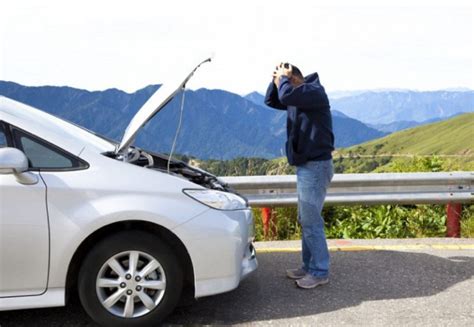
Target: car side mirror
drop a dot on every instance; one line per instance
(13, 161)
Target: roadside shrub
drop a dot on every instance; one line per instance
(467, 221)
(366, 222)
(386, 221)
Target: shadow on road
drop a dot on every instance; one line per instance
(267, 295)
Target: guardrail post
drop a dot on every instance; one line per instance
(267, 220)
(453, 220)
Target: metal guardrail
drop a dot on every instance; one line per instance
(386, 188)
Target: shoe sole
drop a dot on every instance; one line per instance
(312, 286)
(294, 277)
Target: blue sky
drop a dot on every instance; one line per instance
(95, 45)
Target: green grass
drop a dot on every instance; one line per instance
(442, 146)
(454, 136)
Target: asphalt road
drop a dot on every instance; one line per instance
(370, 288)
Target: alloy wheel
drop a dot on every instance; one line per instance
(131, 284)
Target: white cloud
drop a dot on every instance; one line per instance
(103, 44)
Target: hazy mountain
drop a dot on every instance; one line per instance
(216, 124)
(390, 110)
(344, 94)
(394, 126)
(388, 107)
(256, 98)
(401, 125)
(348, 93)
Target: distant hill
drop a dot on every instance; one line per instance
(401, 125)
(216, 124)
(343, 94)
(385, 107)
(454, 136)
(256, 98)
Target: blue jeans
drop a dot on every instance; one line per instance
(313, 179)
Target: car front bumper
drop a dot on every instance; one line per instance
(221, 250)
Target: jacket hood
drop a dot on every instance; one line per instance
(312, 78)
(153, 105)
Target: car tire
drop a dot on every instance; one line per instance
(114, 298)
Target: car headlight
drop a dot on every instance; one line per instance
(218, 199)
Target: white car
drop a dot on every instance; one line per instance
(130, 232)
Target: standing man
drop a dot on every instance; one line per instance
(309, 146)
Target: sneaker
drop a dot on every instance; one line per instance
(295, 273)
(310, 281)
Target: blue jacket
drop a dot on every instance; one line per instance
(309, 122)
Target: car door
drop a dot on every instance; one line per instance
(24, 233)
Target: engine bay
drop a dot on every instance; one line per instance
(176, 167)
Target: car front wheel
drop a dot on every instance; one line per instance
(130, 279)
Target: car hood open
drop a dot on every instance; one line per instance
(154, 104)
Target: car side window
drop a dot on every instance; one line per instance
(42, 155)
(3, 138)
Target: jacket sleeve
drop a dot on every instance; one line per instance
(303, 96)
(271, 97)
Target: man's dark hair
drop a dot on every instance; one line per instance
(297, 72)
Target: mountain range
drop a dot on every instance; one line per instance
(365, 99)
(216, 124)
(386, 107)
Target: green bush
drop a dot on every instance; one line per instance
(385, 221)
(367, 222)
(283, 225)
(467, 221)
(364, 222)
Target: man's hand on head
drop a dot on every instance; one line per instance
(281, 70)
